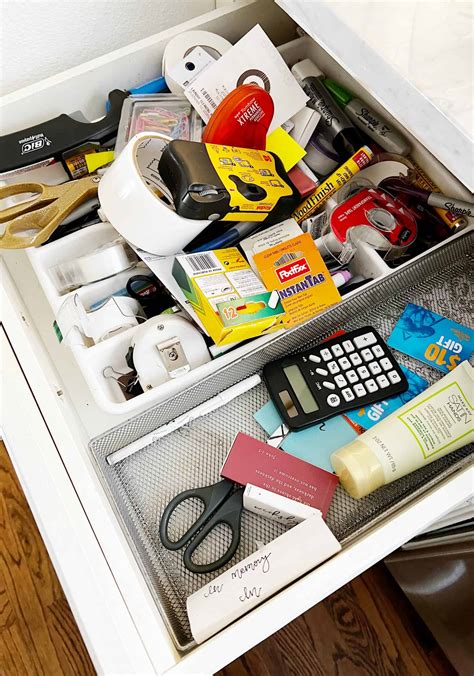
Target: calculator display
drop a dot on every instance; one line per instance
(300, 388)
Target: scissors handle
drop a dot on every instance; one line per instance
(31, 226)
(212, 496)
(230, 514)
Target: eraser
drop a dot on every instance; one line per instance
(276, 507)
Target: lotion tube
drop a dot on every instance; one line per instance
(433, 424)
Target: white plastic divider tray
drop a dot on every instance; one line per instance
(140, 486)
(93, 359)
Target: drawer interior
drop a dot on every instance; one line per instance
(99, 401)
(141, 485)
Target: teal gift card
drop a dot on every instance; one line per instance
(368, 416)
(314, 444)
(431, 338)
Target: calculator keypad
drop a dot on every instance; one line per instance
(344, 373)
(354, 368)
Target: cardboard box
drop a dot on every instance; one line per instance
(296, 270)
(227, 296)
(276, 234)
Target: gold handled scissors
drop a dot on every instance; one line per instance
(31, 223)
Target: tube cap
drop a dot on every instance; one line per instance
(358, 469)
(305, 68)
(342, 96)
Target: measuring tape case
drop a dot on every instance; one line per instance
(216, 182)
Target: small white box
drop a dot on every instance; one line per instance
(276, 507)
(269, 237)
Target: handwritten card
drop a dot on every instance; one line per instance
(253, 580)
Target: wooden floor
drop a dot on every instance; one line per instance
(366, 628)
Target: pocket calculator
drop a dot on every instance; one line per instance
(352, 370)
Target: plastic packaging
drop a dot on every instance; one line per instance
(167, 114)
(433, 424)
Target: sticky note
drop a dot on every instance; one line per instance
(288, 150)
(96, 160)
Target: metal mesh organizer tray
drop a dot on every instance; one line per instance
(140, 486)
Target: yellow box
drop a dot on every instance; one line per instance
(228, 297)
(296, 270)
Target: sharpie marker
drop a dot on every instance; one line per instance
(338, 127)
(368, 120)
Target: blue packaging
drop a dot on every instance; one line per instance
(431, 338)
(314, 444)
(370, 415)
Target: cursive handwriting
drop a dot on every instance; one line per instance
(261, 561)
(248, 594)
(213, 589)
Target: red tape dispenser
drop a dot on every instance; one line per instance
(373, 216)
(242, 119)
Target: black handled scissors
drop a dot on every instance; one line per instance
(222, 504)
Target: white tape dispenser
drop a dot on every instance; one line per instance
(166, 347)
(134, 200)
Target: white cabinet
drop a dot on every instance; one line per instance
(66, 479)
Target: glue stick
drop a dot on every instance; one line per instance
(328, 187)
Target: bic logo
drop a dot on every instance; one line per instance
(33, 143)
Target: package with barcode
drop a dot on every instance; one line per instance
(267, 238)
(296, 271)
(227, 296)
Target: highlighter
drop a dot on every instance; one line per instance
(368, 120)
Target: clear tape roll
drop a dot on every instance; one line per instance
(180, 46)
(130, 197)
(117, 314)
(105, 261)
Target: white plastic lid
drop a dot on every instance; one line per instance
(358, 469)
(304, 69)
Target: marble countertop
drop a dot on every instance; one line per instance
(415, 57)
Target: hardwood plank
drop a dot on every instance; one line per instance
(366, 628)
(38, 633)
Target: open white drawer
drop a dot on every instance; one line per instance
(72, 418)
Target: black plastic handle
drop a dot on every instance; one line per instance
(53, 137)
(229, 513)
(212, 496)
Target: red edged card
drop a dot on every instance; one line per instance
(254, 462)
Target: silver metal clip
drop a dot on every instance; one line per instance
(173, 357)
